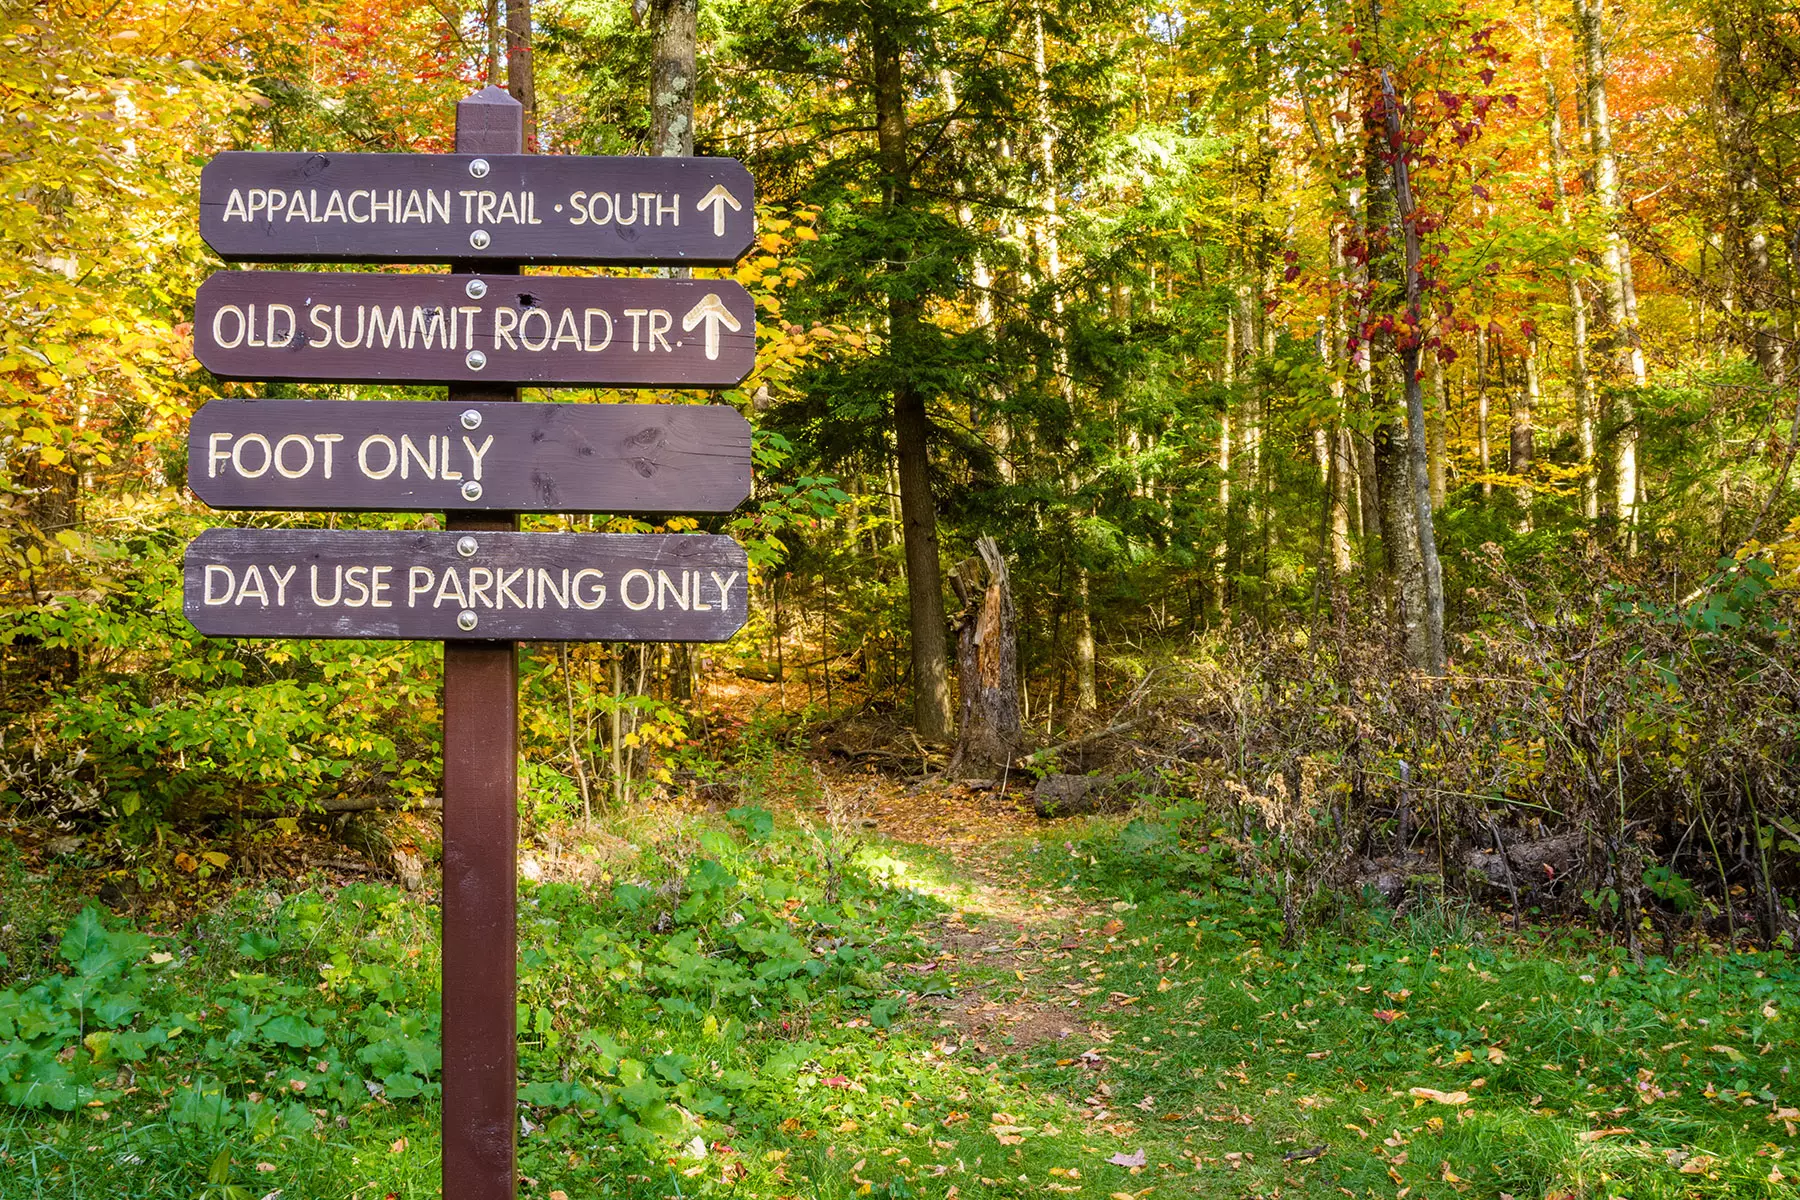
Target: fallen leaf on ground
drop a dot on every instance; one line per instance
(1423, 1094)
(1135, 1159)
(1594, 1135)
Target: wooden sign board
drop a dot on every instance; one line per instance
(435, 585)
(482, 329)
(259, 207)
(417, 456)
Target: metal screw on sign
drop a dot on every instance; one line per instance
(466, 546)
(476, 361)
(480, 239)
(471, 418)
(466, 619)
(477, 289)
(471, 490)
(478, 167)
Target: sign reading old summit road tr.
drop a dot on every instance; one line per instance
(500, 329)
(371, 455)
(445, 207)
(567, 587)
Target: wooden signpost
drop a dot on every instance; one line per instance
(503, 207)
(540, 587)
(481, 458)
(408, 455)
(542, 329)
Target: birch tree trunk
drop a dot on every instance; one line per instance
(1616, 281)
(1523, 444)
(1437, 433)
(1483, 446)
(1580, 380)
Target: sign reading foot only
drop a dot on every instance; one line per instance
(558, 587)
(536, 208)
(502, 329)
(410, 455)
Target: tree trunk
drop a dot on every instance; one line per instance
(1621, 296)
(521, 79)
(672, 69)
(495, 35)
(990, 733)
(1581, 382)
(912, 430)
(1483, 446)
(673, 25)
(1087, 697)
(1523, 446)
(1438, 451)
(1410, 345)
(1399, 536)
(1747, 241)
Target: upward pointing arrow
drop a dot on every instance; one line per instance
(717, 199)
(712, 310)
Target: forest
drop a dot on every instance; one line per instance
(1289, 510)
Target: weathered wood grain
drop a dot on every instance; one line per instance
(580, 587)
(427, 208)
(480, 329)
(415, 456)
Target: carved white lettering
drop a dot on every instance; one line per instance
(386, 443)
(326, 440)
(237, 456)
(649, 589)
(281, 581)
(587, 330)
(666, 587)
(218, 327)
(337, 590)
(724, 586)
(281, 465)
(213, 571)
(573, 587)
(475, 456)
(357, 577)
(214, 455)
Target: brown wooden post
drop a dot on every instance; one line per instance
(481, 817)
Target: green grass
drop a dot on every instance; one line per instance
(740, 982)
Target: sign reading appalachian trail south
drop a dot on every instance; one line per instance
(408, 455)
(262, 207)
(557, 587)
(538, 329)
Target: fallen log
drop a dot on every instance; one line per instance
(1086, 739)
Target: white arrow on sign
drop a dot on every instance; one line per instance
(717, 199)
(712, 310)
